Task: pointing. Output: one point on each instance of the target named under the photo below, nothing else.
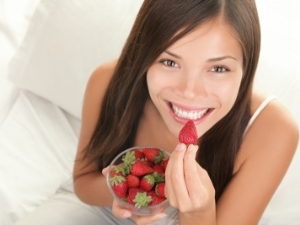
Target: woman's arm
(89, 184)
(265, 155)
(263, 160)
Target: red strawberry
(153, 154)
(159, 169)
(160, 189)
(119, 185)
(147, 182)
(132, 193)
(151, 193)
(158, 177)
(138, 154)
(118, 170)
(129, 158)
(164, 163)
(132, 181)
(148, 162)
(140, 169)
(156, 199)
(188, 134)
(138, 197)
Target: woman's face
(197, 78)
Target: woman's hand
(188, 186)
(122, 213)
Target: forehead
(214, 36)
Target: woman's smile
(183, 113)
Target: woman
(185, 60)
(197, 57)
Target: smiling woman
(182, 61)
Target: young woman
(186, 60)
(197, 57)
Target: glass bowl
(122, 166)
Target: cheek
(228, 92)
(157, 81)
(153, 83)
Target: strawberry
(151, 193)
(158, 177)
(119, 185)
(188, 134)
(147, 182)
(138, 197)
(140, 169)
(132, 193)
(138, 154)
(118, 170)
(160, 189)
(148, 162)
(153, 154)
(129, 158)
(159, 169)
(155, 199)
(132, 181)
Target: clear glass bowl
(144, 210)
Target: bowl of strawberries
(136, 179)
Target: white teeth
(192, 115)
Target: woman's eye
(219, 69)
(169, 63)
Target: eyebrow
(209, 60)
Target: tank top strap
(258, 111)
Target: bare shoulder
(265, 155)
(273, 132)
(275, 122)
(93, 97)
(95, 90)
(102, 74)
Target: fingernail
(180, 147)
(126, 214)
(190, 148)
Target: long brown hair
(156, 27)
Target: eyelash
(168, 62)
(217, 68)
(171, 63)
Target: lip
(188, 108)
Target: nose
(191, 86)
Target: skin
(195, 78)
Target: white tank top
(258, 111)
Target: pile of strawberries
(140, 179)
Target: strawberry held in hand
(188, 134)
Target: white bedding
(37, 142)
(38, 138)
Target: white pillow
(38, 146)
(65, 42)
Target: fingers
(175, 182)
(185, 179)
(143, 220)
(193, 179)
(104, 171)
(120, 212)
